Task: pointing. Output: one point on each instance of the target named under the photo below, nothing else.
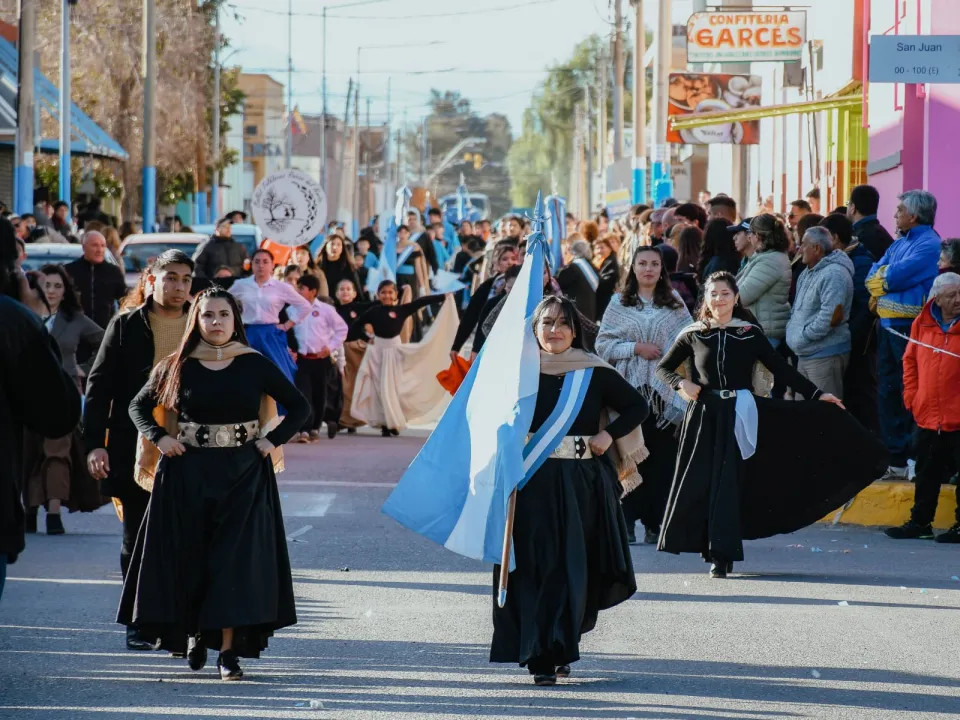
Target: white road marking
(298, 504)
(297, 533)
(336, 483)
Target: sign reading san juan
(915, 59)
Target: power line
(428, 16)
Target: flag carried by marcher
(387, 266)
(456, 490)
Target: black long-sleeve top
(723, 359)
(481, 335)
(471, 316)
(349, 314)
(607, 389)
(387, 320)
(229, 395)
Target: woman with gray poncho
(639, 325)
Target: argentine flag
(387, 267)
(455, 491)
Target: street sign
(738, 36)
(915, 59)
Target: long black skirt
(647, 502)
(811, 458)
(572, 561)
(211, 554)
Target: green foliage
(173, 188)
(46, 174)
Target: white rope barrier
(921, 344)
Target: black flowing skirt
(647, 502)
(572, 561)
(211, 554)
(811, 458)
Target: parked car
(40, 254)
(138, 251)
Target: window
(251, 130)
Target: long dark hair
(9, 251)
(346, 255)
(663, 292)
(70, 305)
(739, 311)
(688, 248)
(717, 242)
(166, 375)
(771, 231)
(583, 330)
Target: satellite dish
(289, 207)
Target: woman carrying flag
(534, 420)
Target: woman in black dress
(569, 535)
(750, 467)
(211, 563)
(350, 308)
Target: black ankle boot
(31, 520)
(135, 642)
(229, 666)
(54, 524)
(196, 653)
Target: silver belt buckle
(727, 394)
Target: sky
(495, 52)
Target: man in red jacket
(930, 382)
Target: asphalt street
(830, 622)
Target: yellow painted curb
(886, 504)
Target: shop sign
(763, 36)
(716, 92)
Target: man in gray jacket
(818, 330)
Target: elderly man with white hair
(101, 284)
(931, 377)
(577, 278)
(900, 282)
(818, 331)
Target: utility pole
(355, 208)
(149, 189)
(65, 104)
(662, 185)
(423, 150)
(602, 81)
(25, 108)
(740, 179)
(366, 172)
(618, 83)
(289, 145)
(387, 139)
(323, 124)
(589, 148)
(215, 184)
(342, 182)
(639, 189)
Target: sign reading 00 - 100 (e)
(915, 59)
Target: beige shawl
(625, 452)
(148, 455)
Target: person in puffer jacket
(899, 282)
(818, 331)
(931, 376)
(765, 278)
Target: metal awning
(696, 120)
(88, 138)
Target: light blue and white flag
(455, 491)
(386, 268)
(556, 229)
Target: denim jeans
(896, 422)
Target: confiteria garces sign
(771, 36)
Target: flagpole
(507, 547)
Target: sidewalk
(886, 504)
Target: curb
(888, 504)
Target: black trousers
(320, 382)
(860, 386)
(134, 500)
(938, 456)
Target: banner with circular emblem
(289, 207)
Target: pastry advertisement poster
(714, 92)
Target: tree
(451, 119)
(543, 153)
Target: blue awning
(88, 138)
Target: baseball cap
(743, 225)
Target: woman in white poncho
(640, 324)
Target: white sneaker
(895, 474)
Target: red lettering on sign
(794, 37)
(725, 38)
(763, 36)
(705, 38)
(745, 37)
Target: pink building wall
(922, 124)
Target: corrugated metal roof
(88, 137)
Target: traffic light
(477, 161)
